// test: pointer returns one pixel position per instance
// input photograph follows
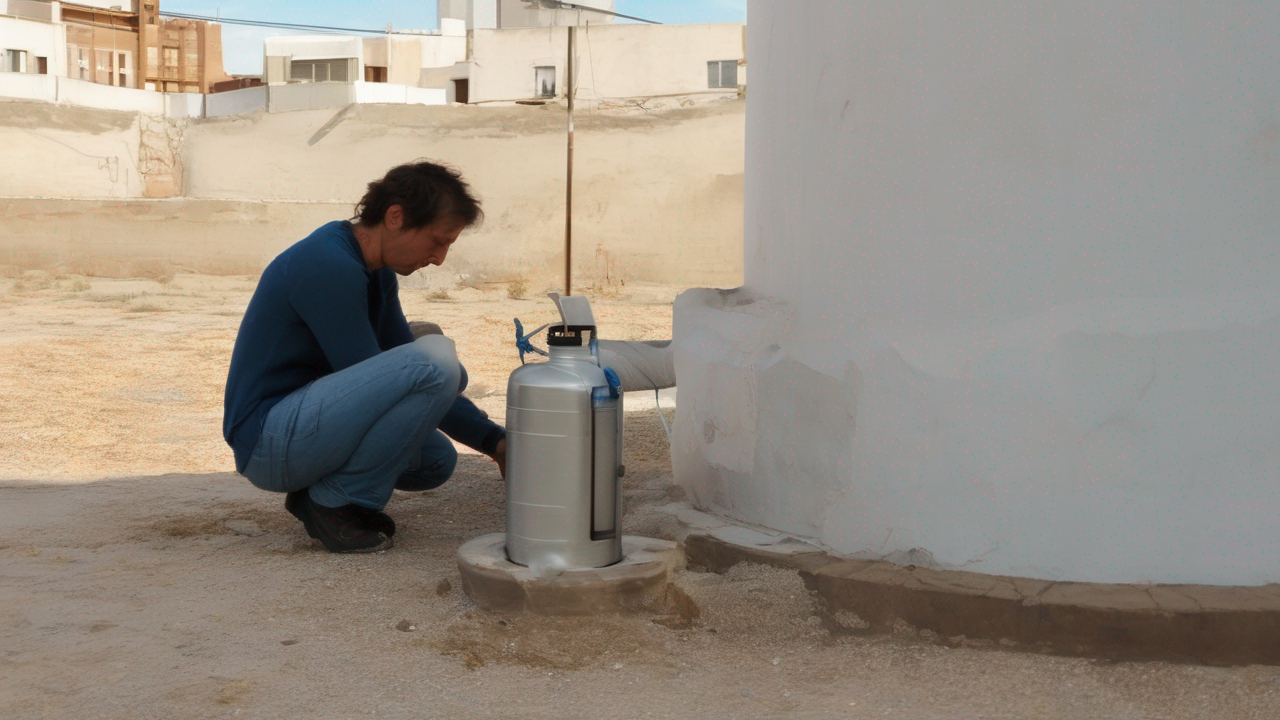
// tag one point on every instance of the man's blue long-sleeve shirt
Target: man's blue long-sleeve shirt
(318, 310)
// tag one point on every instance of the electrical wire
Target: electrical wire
(283, 25)
(575, 6)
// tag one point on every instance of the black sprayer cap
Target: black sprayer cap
(571, 336)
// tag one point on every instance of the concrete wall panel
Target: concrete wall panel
(1011, 297)
(236, 102)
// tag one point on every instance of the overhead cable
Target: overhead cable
(575, 6)
(284, 25)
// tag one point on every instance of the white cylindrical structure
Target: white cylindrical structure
(564, 458)
(1011, 293)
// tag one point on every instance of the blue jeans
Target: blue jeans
(356, 435)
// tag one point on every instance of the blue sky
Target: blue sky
(242, 46)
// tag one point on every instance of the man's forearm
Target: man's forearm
(472, 427)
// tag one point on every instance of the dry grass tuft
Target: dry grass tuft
(33, 283)
(517, 289)
(157, 270)
(117, 299)
(94, 267)
(145, 307)
(439, 295)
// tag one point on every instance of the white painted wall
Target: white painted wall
(107, 97)
(25, 86)
(405, 57)
(522, 14)
(69, 152)
(309, 96)
(236, 102)
(482, 14)
(184, 105)
(127, 5)
(614, 61)
(445, 50)
(1011, 290)
(28, 9)
(387, 93)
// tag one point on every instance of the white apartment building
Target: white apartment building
(499, 51)
(32, 40)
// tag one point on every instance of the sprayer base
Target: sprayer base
(638, 582)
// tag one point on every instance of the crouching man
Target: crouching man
(329, 397)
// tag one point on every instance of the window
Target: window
(121, 64)
(722, 74)
(319, 70)
(103, 70)
(15, 61)
(78, 63)
(171, 62)
(544, 82)
(42, 65)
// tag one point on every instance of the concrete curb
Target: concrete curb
(1206, 624)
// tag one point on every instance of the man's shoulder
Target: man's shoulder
(328, 248)
(324, 254)
(331, 239)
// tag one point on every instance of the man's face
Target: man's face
(407, 251)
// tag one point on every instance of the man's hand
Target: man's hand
(500, 456)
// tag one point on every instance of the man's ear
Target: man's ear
(394, 219)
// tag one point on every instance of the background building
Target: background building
(32, 40)
(503, 14)
(182, 55)
(122, 43)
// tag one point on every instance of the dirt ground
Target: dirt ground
(140, 577)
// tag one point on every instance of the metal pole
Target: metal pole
(568, 202)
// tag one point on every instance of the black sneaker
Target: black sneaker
(345, 529)
(377, 519)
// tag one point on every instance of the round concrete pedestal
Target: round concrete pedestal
(637, 582)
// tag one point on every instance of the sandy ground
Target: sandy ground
(141, 578)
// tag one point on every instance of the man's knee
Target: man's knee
(437, 357)
(431, 475)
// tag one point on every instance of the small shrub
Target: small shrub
(517, 289)
(156, 270)
(439, 295)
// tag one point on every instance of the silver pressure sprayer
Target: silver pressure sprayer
(564, 449)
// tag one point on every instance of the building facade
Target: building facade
(506, 14)
(31, 38)
(122, 43)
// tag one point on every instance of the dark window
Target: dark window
(319, 70)
(15, 61)
(42, 65)
(722, 74)
(544, 81)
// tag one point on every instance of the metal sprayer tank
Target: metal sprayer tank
(564, 451)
